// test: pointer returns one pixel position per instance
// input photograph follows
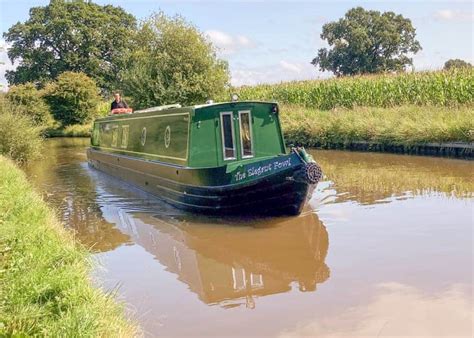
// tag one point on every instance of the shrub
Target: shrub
(31, 102)
(20, 139)
(73, 98)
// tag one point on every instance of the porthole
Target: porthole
(167, 136)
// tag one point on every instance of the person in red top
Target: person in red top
(118, 102)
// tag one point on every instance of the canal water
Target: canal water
(383, 249)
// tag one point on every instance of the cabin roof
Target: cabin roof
(176, 108)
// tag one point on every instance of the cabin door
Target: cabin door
(237, 135)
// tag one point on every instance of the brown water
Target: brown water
(383, 249)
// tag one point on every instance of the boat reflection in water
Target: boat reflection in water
(228, 262)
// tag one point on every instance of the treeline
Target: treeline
(73, 55)
(162, 59)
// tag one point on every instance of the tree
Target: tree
(73, 98)
(367, 42)
(31, 103)
(456, 63)
(74, 36)
(172, 62)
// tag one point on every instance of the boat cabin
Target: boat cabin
(202, 136)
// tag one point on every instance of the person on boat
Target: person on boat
(118, 102)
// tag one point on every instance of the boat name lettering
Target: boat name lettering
(257, 171)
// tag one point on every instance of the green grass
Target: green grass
(45, 287)
(76, 130)
(404, 125)
(439, 88)
(20, 138)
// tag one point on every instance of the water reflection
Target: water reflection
(232, 265)
(415, 249)
(371, 178)
(398, 310)
(228, 262)
(63, 178)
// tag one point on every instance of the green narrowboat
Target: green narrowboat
(213, 158)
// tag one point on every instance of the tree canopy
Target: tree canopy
(456, 63)
(172, 62)
(367, 42)
(74, 36)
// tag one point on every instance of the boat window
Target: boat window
(246, 133)
(227, 130)
(125, 130)
(143, 137)
(114, 136)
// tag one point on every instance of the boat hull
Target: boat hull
(283, 191)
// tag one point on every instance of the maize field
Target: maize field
(434, 88)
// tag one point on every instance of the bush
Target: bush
(20, 139)
(73, 98)
(31, 102)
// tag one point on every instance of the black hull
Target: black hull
(281, 193)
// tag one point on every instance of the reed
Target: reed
(20, 137)
(405, 125)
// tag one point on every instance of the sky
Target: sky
(274, 41)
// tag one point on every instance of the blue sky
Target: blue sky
(273, 41)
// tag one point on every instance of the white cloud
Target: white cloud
(453, 15)
(291, 67)
(229, 44)
(274, 73)
(397, 310)
(5, 64)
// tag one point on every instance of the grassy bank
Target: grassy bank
(404, 125)
(440, 88)
(44, 277)
(76, 130)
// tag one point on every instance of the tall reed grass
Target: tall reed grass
(405, 125)
(20, 137)
(439, 88)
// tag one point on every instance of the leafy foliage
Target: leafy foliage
(456, 63)
(32, 103)
(172, 62)
(74, 36)
(367, 42)
(73, 98)
(20, 139)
